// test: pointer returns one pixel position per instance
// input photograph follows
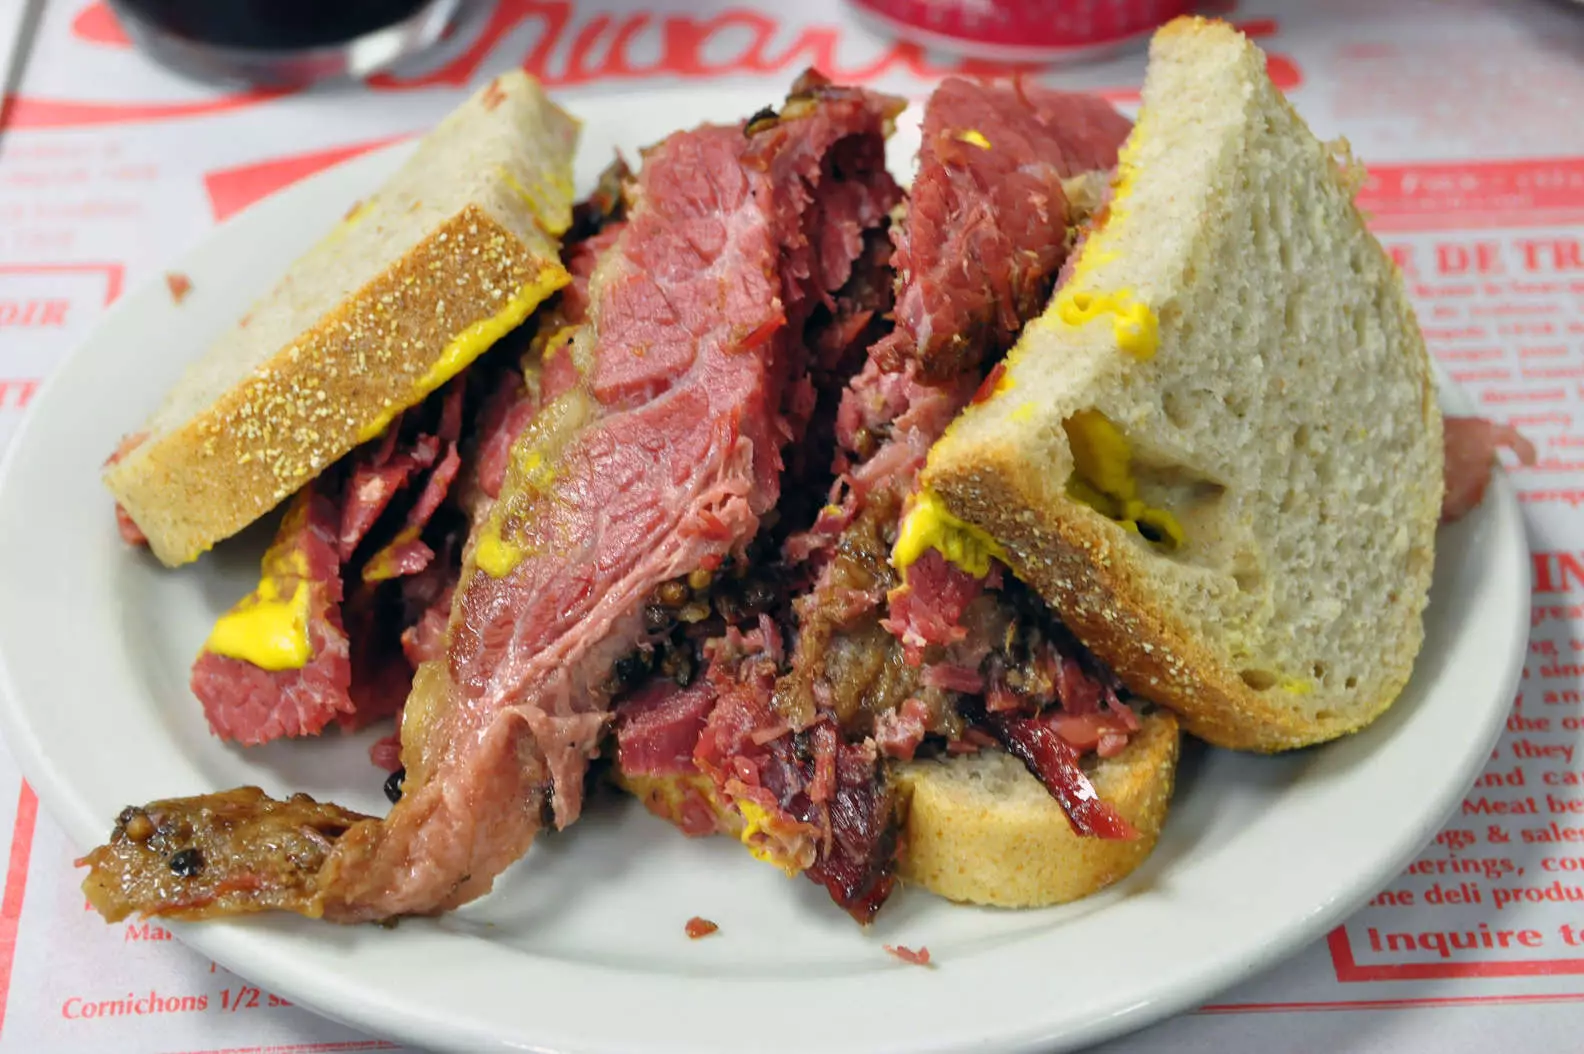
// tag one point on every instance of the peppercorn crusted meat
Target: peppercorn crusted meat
(229, 853)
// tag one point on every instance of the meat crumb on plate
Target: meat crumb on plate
(921, 957)
(178, 284)
(697, 927)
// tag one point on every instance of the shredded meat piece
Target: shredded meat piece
(131, 533)
(1054, 762)
(928, 608)
(698, 927)
(921, 957)
(899, 732)
(824, 807)
(178, 284)
(1471, 446)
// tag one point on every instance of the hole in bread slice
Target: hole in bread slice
(1259, 680)
(1147, 492)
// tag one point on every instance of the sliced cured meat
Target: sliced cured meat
(1054, 762)
(509, 408)
(550, 370)
(844, 660)
(407, 553)
(430, 593)
(424, 611)
(664, 460)
(989, 190)
(891, 662)
(838, 336)
(375, 480)
(130, 532)
(380, 675)
(658, 727)
(346, 665)
(582, 257)
(1471, 448)
(295, 614)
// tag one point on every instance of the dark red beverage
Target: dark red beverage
(271, 25)
(282, 41)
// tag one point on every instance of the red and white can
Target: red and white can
(1022, 30)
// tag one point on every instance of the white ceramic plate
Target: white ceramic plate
(582, 948)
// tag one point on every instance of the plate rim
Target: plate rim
(238, 947)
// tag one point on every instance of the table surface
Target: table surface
(1467, 116)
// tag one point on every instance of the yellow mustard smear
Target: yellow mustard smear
(930, 525)
(474, 341)
(380, 568)
(268, 627)
(1133, 323)
(559, 341)
(553, 222)
(974, 137)
(1123, 181)
(668, 794)
(495, 554)
(356, 214)
(1103, 479)
(759, 839)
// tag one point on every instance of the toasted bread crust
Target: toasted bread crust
(314, 400)
(1020, 851)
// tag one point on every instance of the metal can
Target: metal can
(1022, 30)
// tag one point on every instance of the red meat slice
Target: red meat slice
(989, 190)
(1471, 445)
(251, 705)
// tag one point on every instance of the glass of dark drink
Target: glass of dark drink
(283, 43)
